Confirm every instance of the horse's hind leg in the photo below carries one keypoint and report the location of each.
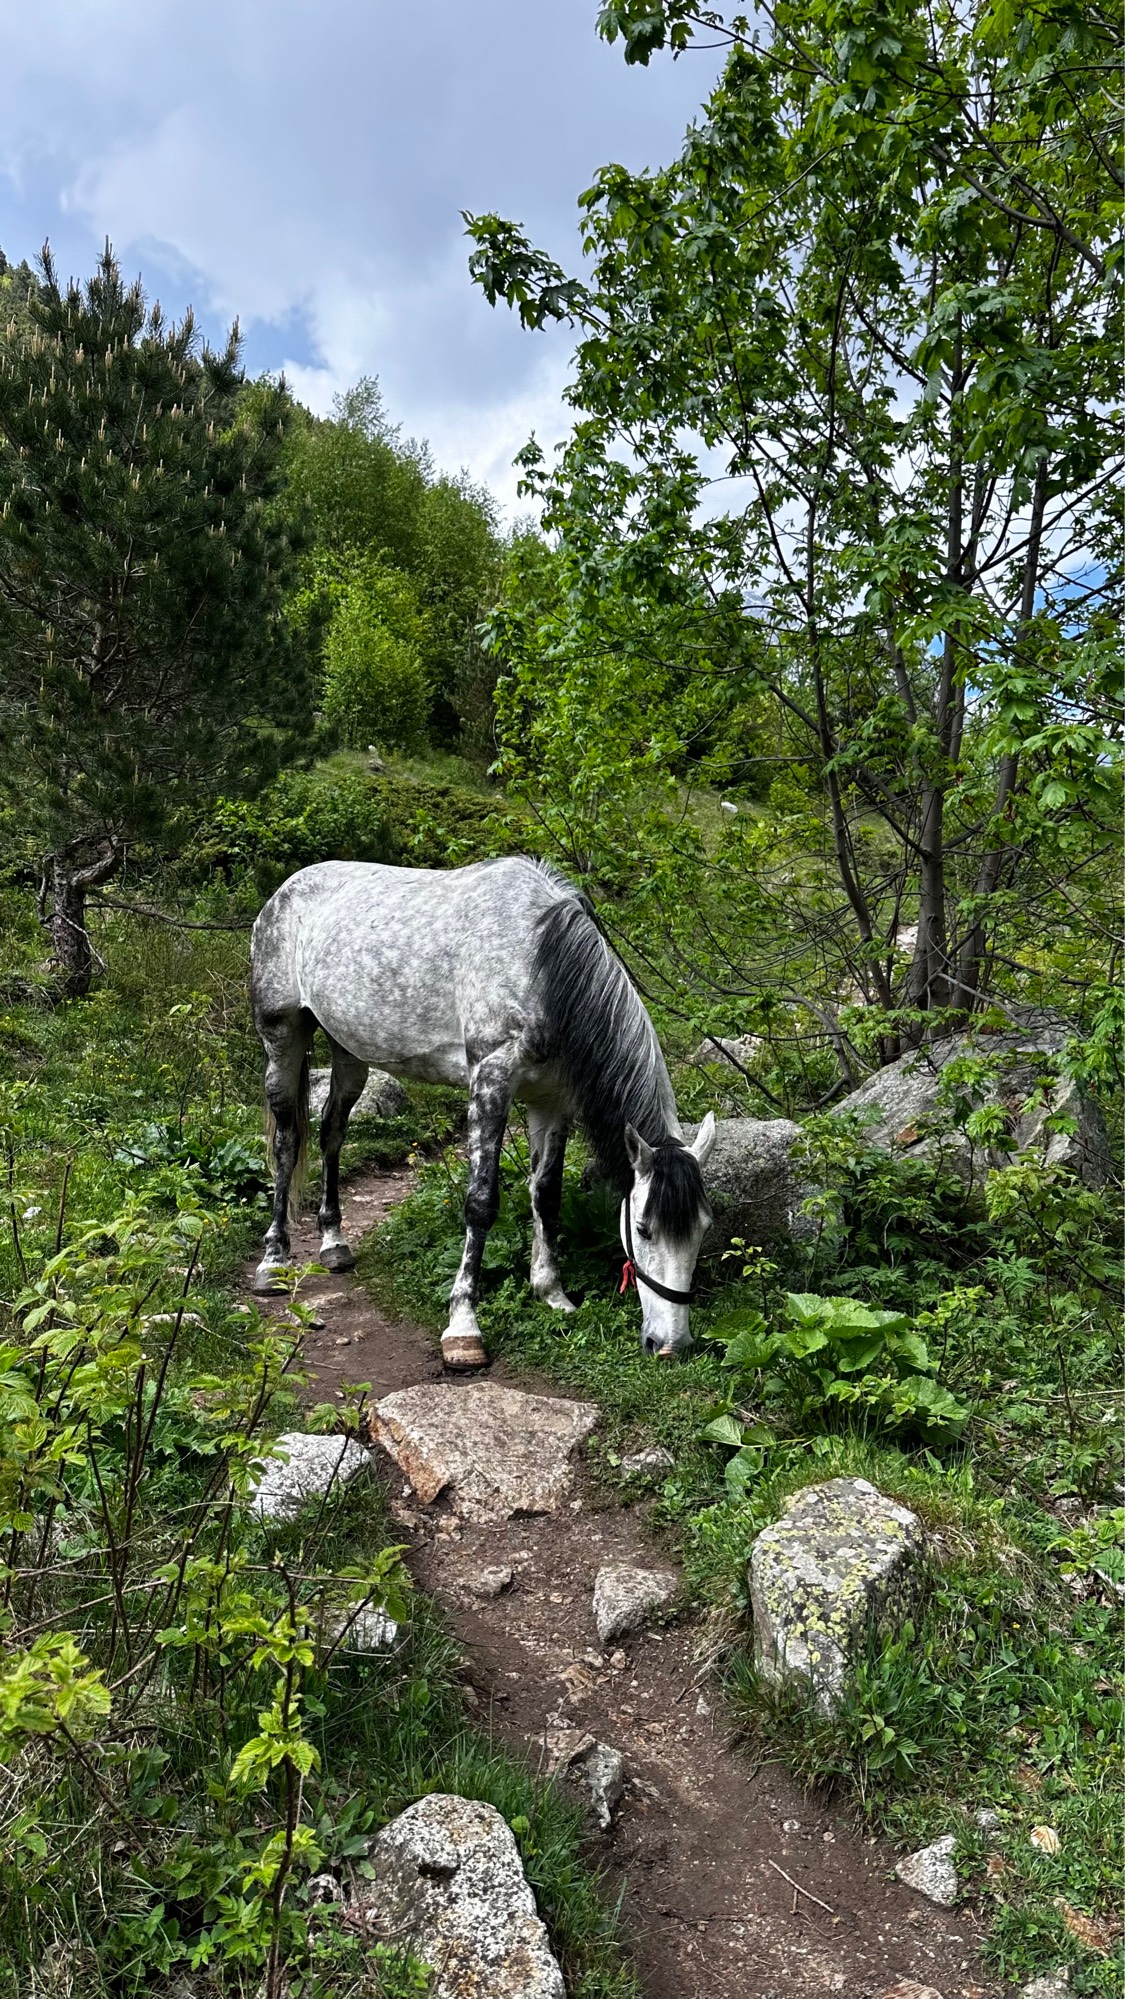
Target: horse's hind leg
(348, 1078)
(547, 1132)
(287, 1039)
(490, 1098)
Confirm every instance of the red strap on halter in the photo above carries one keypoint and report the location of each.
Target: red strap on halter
(628, 1276)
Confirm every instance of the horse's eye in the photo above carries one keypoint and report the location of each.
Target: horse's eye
(645, 1234)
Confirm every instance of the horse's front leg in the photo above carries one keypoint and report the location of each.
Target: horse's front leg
(287, 1107)
(348, 1078)
(547, 1133)
(490, 1097)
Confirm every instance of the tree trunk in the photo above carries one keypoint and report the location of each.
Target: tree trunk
(71, 950)
(999, 856)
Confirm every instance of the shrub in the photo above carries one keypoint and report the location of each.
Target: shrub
(338, 813)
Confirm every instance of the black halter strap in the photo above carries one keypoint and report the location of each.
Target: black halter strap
(633, 1274)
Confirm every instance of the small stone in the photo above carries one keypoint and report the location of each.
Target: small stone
(316, 1467)
(909, 1988)
(1045, 1838)
(1053, 1985)
(931, 1872)
(371, 1630)
(655, 1459)
(382, 1097)
(323, 1888)
(829, 1838)
(603, 1772)
(487, 1582)
(576, 1754)
(617, 1662)
(449, 1884)
(986, 1820)
(624, 1597)
(790, 1825)
(703, 1708)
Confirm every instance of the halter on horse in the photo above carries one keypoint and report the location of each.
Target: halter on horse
(495, 977)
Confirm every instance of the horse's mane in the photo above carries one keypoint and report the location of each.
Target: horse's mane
(596, 1028)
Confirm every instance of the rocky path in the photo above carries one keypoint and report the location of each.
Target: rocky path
(734, 1885)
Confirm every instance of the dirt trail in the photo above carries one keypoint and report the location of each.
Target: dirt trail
(734, 1885)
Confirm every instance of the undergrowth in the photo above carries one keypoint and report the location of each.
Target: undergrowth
(188, 1741)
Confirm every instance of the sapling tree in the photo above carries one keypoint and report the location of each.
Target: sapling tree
(147, 663)
(846, 392)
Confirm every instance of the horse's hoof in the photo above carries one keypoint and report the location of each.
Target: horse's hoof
(337, 1257)
(267, 1282)
(462, 1351)
(559, 1302)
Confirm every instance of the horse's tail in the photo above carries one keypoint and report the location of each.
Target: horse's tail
(300, 1173)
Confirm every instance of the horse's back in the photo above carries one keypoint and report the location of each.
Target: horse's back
(404, 966)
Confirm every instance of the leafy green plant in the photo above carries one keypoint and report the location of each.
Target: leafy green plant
(831, 1354)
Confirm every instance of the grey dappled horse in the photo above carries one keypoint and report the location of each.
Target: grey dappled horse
(497, 977)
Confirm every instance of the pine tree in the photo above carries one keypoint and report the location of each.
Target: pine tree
(146, 664)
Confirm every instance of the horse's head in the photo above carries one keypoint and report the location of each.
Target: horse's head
(664, 1218)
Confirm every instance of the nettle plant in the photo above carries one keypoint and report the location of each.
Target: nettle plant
(828, 1360)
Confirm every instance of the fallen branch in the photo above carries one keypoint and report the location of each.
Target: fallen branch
(806, 1892)
(162, 916)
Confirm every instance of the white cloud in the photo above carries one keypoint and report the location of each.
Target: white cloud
(305, 167)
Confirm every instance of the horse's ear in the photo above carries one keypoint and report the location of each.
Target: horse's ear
(703, 1144)
(640, 1153)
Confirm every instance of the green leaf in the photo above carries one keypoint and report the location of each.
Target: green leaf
(723, 1430)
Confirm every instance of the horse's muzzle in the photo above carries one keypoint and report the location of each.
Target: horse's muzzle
(669, 1352)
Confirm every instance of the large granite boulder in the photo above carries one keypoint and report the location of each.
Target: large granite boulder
(756, 1183)
(496, 1451)
(449, 1884)
(383, 1096)
(906, 1105)
(842, 1559)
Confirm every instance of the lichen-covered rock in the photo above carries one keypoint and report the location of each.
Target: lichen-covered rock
(625, 1598)
(383, 1096)
(755, 1184)
(931, 1872)
(495, 1450)
(910, 1118)
(449, 1884)
(312, 1468)
(841, 1558)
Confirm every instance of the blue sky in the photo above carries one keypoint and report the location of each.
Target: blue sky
(303, 165)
